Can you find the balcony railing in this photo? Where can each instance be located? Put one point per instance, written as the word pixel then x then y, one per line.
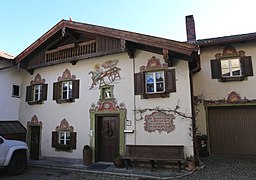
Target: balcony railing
pixel 70 51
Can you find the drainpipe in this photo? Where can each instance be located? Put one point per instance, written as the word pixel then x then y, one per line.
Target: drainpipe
pixel 134 106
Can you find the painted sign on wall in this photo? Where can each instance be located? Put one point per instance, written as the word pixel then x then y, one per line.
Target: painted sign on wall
pixel 159 121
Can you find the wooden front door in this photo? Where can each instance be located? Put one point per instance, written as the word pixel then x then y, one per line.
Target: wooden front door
pixel 107 139
pixel 34 143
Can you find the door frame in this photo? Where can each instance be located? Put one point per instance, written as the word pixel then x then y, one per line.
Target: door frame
pixel 93 118
pixel 30 124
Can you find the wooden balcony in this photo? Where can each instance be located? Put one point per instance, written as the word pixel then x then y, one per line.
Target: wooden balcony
pixel 71 51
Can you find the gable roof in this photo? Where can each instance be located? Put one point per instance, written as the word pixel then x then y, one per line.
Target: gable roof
pixel 174 46
pixel 227 39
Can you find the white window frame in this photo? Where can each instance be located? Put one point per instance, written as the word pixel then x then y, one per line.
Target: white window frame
pixel 68 91
pixel 65 139
pixel 230 67
pixel 155 83
pixel 38 87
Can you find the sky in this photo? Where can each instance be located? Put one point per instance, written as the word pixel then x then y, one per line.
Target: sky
pixel 24 21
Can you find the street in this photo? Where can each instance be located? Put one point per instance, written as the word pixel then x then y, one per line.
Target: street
pixel 33 173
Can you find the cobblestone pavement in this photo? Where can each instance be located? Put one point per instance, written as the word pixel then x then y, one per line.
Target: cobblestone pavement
pixel 216 168
pixel 226 167
pixel 35 173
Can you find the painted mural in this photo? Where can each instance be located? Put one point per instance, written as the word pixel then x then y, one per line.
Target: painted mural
pixel 105 73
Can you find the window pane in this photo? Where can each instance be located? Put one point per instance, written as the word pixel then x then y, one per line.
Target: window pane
pixel 160 87
pixel 159 76
pixel 149 78
pixel 150 87
pixel 224 64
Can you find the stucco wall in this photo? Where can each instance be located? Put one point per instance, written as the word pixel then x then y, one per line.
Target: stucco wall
pixel 9 106
pixel 77 114
pixel 212 89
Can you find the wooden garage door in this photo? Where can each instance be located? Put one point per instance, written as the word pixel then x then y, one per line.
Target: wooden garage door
pixel 232 130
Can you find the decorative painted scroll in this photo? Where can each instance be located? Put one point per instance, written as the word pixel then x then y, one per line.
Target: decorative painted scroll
pixel 159 121
pixel 229 51
pixel 66 76
pixel 64 126
pixel 37 80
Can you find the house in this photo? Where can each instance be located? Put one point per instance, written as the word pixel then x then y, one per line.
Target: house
pixel 10 79
pixel 90 85
pixel 224 92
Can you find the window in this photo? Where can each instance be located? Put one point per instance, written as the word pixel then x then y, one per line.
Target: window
pixel 154 84
pixel 15 91
pixel 36 93
pixel 66 91
pixel 231 69
pixel 64 137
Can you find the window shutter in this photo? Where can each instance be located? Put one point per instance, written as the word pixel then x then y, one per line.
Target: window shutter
pixel 216 69
pixel 54 138
pixel 246 63
pixel 139 83
pixel 170 81
pixel 72 143
pixel 29 93
pixel 56 90
pixel 44 92
pixel 75 89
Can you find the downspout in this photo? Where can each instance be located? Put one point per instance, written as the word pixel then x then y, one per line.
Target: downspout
pixel 134 105
pixel 194 129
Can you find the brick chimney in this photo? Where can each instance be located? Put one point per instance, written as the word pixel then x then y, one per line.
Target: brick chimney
pixel 190 27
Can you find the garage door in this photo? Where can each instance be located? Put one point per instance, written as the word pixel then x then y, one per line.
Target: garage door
pixel 232 130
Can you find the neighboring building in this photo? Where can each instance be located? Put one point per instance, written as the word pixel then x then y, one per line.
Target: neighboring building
pixel 10 82
pixel 225 91
pixel 86 84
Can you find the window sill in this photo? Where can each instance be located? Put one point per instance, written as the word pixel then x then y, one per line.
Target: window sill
pixel 156 95
pixel 228 79
pixel 60 101
pixel 35 102
pixel 61 147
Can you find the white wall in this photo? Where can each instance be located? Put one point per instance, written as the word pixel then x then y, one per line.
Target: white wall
pixel 9 106
pixel 77 114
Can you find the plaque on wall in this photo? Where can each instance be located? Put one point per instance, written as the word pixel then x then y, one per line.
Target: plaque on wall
pixel 159 121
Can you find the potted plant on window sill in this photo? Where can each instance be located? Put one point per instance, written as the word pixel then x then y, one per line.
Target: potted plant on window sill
pixel 118 161
pixel 190 163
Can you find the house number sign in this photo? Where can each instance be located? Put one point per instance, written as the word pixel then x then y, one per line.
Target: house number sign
pixel 159 121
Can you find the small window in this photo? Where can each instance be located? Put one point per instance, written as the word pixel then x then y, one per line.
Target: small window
pixel 37 92
pixel 66 91
pixel 231 67
pixel 15 91
pixel 155 84
pixel 64 138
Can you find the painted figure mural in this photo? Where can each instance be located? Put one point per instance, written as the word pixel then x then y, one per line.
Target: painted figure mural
pixel 105 73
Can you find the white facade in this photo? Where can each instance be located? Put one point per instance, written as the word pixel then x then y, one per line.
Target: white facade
pixel 9 105
pixel 77 113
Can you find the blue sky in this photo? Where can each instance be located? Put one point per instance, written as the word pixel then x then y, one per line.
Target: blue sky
pixel 24 21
